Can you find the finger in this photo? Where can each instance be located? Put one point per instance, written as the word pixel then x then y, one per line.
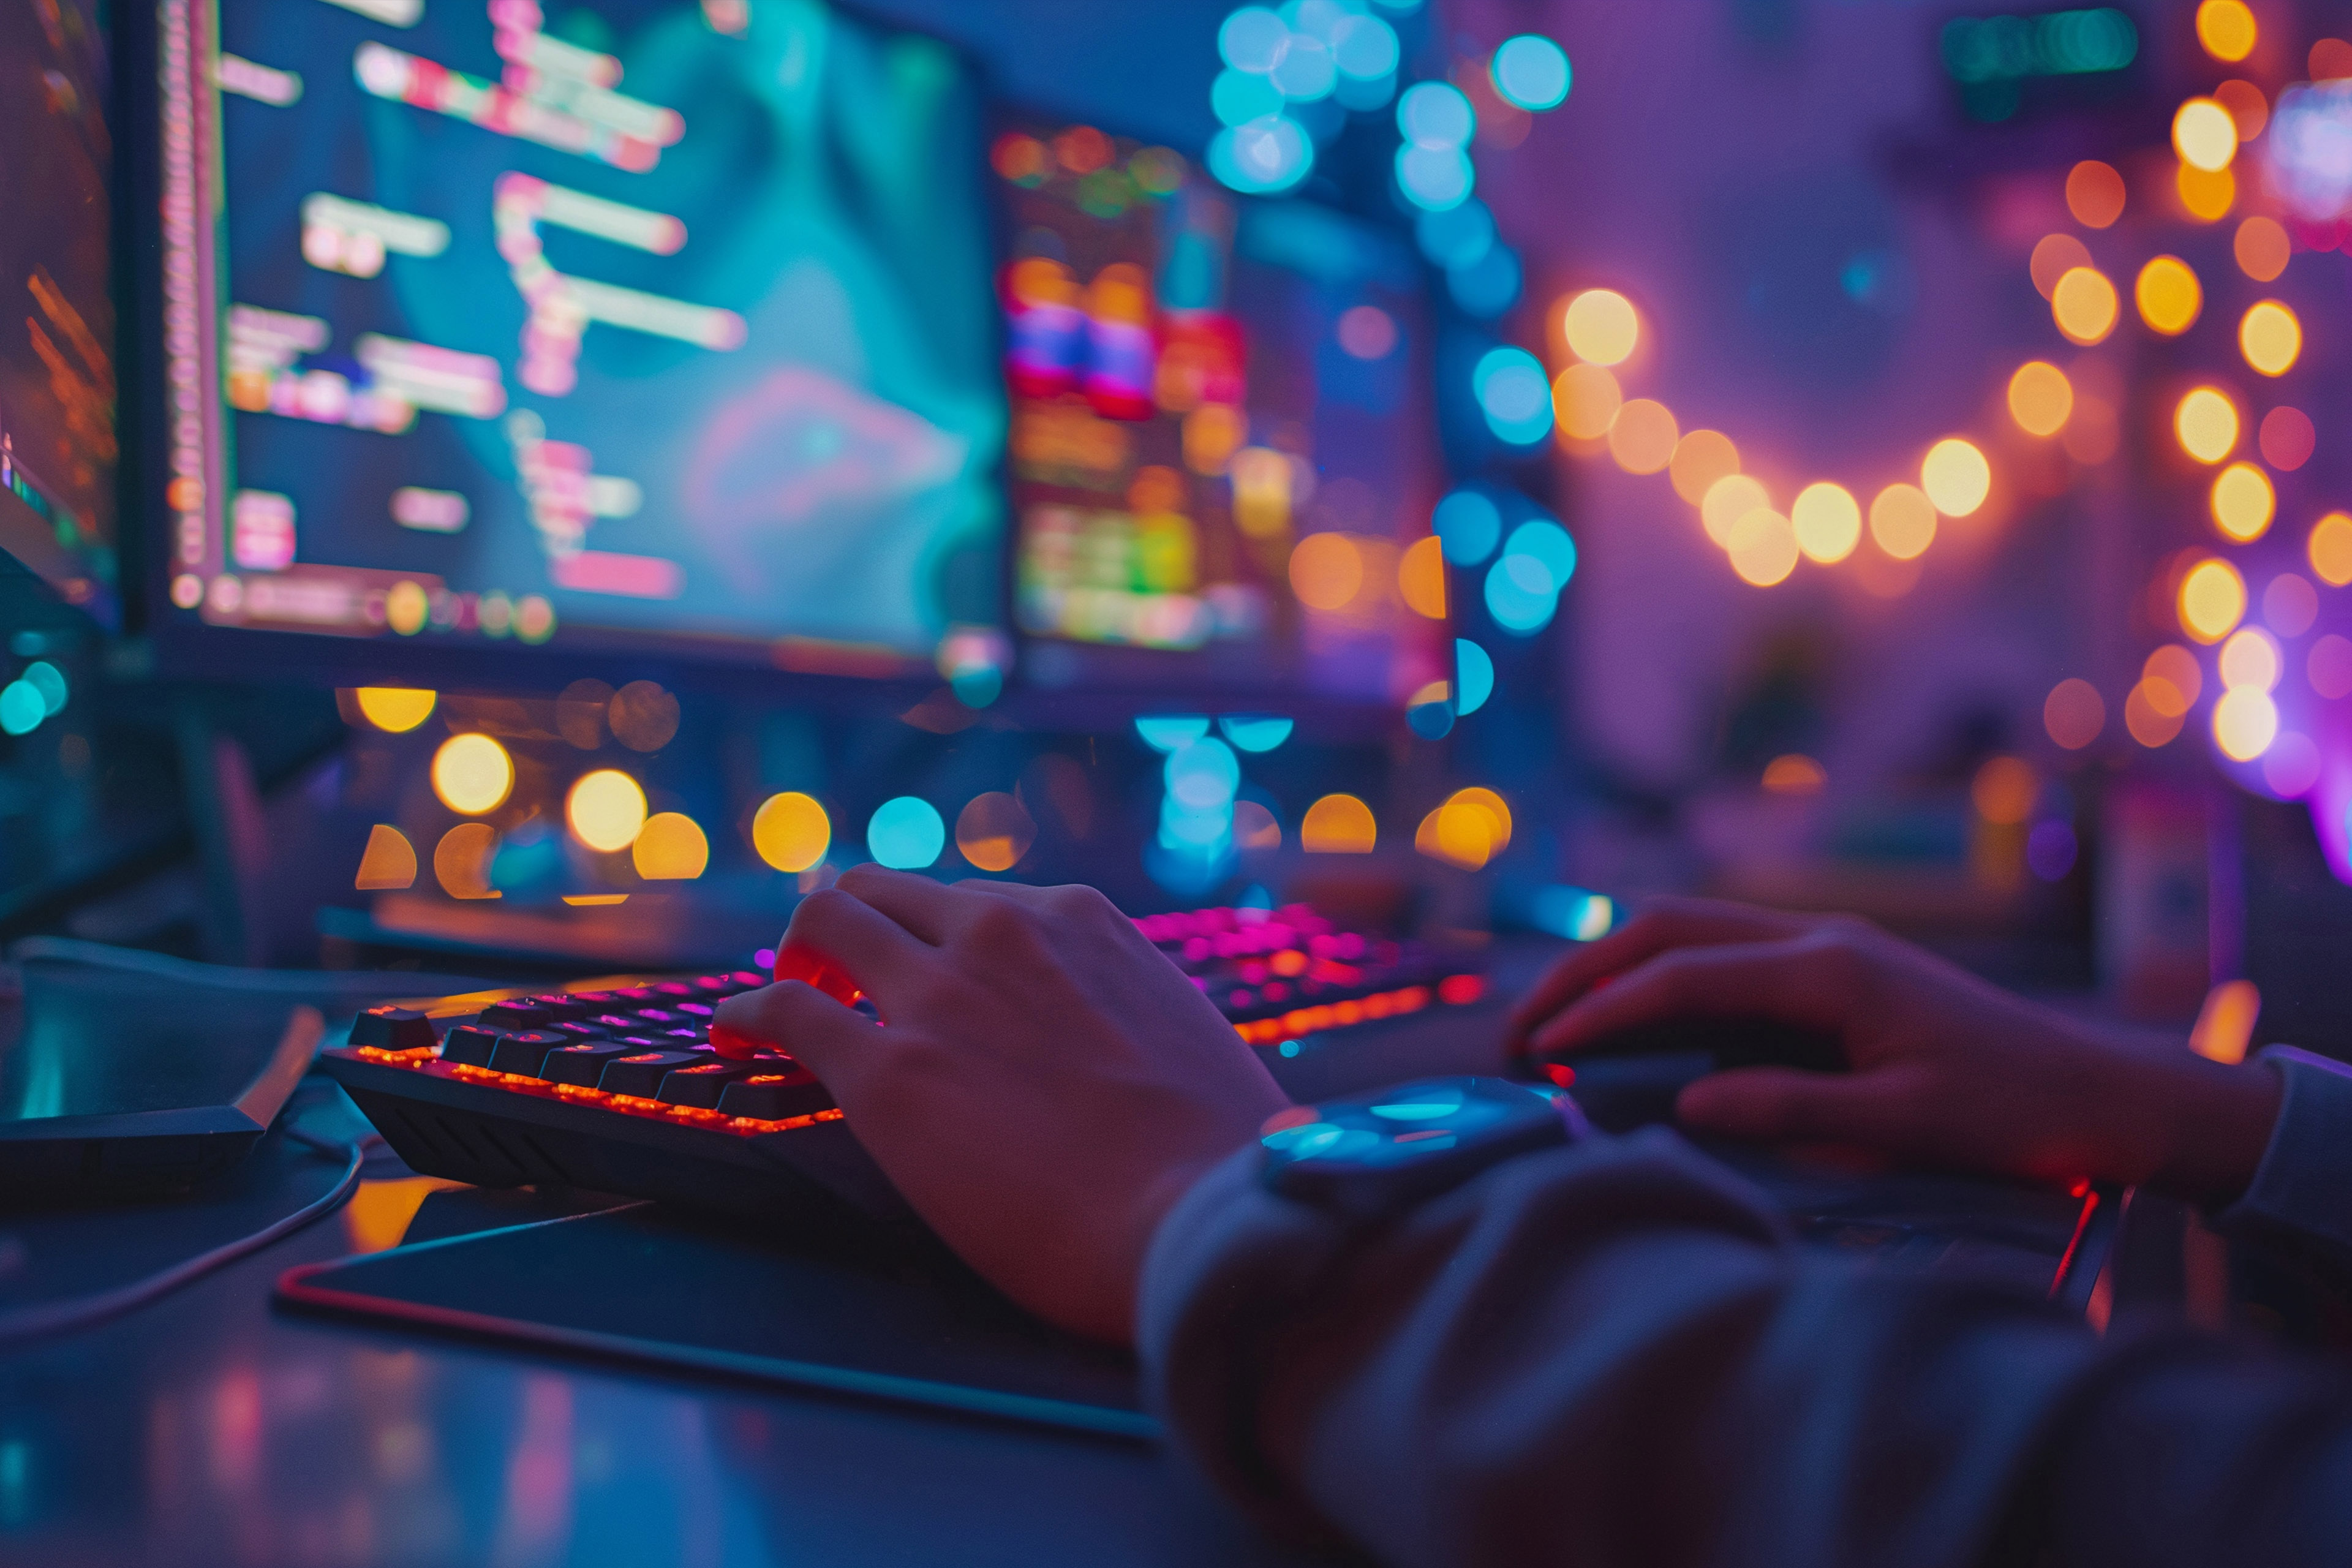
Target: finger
pixel 1784 1104
pixel 923 907
pixel 1659 928
pixel 835 930
pixel 1794 981
pixel 791 1018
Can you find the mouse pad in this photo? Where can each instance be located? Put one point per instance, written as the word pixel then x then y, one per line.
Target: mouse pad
pixel 653 1284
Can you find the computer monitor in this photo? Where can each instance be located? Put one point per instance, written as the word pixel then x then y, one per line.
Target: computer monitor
pixel 1223 452
pixel 57 437
pixel 637 327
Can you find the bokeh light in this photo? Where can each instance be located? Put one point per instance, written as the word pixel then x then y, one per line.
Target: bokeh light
pixel 461 861
pixel 1170 731
pixel 1435 178
pixel 1457 237
pixel 1520 594
pixel 2250 657
pixel 395 709
pixel 1256 732
pixel 2330 60
pixel 1253 39
pixel 1339 824
pixel 1643 437
pixel 1701 458
pixel 1327 571
pixel 1585 400
pixel 2287 438
pixel 2243 501
pixel 1727 500
pixel 606 810
pixel 389 860
pixel 791 831
pixel 1435 114
pixel 1956 477
pixel 2145 724
pixel 2054 256
pixel 1827 521
pixel 2095 194
pixel 2204 135
pixel 1515 394
pixel 1793 773
pixel 2328 667
pixel 2173 679
pixel 2270 337
pixel 670 847
pixel 2249 110
pixel 472 774
pixel 1479 798
pixel 1468 527
pixel 643 716
pixel 1601 327
pixel 2292 765
pixel 1903 521
pixel 1367 332
pixel 2083 305
pixel 2041 398
pixel 1762 547
pixel 2330 549
pixel 993 831
pixel 2290 604
pixel 1531 72
pixel 2169 295
pixel 1262 156
pixel 2245 721
pixel 2004 789
pixel 1421 577
pixel 2213 600
pixel 2206 195
pixel 1460 835
pixel 2206 422
pixel 1547 542
pixel 1474 676
pixel 2073 713
pixel 2226 28
pixel 905 833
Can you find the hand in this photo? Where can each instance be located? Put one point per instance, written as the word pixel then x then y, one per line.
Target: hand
pixel 1948 1069
pixel 1044 1084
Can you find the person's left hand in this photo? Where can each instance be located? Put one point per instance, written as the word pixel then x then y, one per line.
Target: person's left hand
pixel 1044 1084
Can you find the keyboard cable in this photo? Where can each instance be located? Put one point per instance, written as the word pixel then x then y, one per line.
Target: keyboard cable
pixel 39 1321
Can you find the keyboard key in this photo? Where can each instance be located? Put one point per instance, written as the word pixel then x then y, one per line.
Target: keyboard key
pixel 562 1006
pixel 392 1028
pixel 616 1024
pixel 702 1083
pixel 749 979
pixel 518 1014
pixel 660 1017
pixel 524 1051
pixel 773 1096
pixel 642 1074
pixel 685 1039
pixel 701 1010
pixel 676 990
pixel 590 1002
pixel 638 996
pixel 580 1031
pixel 470 1045
pixel 584 1064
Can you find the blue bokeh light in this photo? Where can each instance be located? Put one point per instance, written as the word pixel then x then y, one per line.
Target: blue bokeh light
pixel 1474 676
pixel 1488 286
pixel 1531 71
pixel 1514 394
pixel 1255 733
pixel 1467 527
pixel 21 708
pixel 1171 733
pixel 1435 178
pixel 1253 39
pixel 1456 237
pixel 1364 48
pixel 905 833
pixel 1520 594
pixel 1264 155
pixel 49 680
pixel 1203 776
pixel 1549 543
pixel 1239 96
pixel 1436 114
pixel 1306 73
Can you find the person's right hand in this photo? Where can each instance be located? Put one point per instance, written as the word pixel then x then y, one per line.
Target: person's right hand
pixel 1948 1069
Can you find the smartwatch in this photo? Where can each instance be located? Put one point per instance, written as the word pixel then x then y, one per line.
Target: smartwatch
pixel 1366 1156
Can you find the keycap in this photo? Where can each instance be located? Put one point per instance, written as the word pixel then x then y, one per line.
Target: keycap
pixel 516 1013
pixel 749 979
pixel 638 996
pixel 616 1024
pixel 773 1096
pixel 662 1016
pixel 524 1051
pixel 580 1031
pixel 562 1006
pixel 642 1074
pixel 470 1044
pixel 702 1010
pixel 595 1001
pixel 392 1028
pixel 685 1039
pixel 701 1083
pixel 584 1064
pixel 676 990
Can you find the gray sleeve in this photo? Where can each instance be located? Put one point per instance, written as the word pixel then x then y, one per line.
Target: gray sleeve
pixel 1613 1354
pixel 2302 1192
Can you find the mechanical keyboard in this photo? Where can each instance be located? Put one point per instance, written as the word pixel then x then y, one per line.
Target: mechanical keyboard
pixel 613 1085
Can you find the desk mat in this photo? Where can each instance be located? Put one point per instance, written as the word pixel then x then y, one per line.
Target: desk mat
pixel 655 1286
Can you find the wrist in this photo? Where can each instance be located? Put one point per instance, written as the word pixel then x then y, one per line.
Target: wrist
pixel 2213 1121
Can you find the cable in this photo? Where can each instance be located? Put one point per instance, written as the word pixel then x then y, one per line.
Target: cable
pixel 81 1312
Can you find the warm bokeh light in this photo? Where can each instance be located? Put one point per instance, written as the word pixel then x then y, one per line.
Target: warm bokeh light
pixel 2041 398
pixel 643 716
pixel 1421 577
pixel 1701 458
pixel 2328 667
pixel 1903 521
pixel 1327 571
pixel 461 861
pixel 1793 773
pixel 606 810
pixel 2330 60
pixel 791 831
pixel 2169 295
pixel 2207 424
pixel 2083 305
pixel 2204 135
pixel 2290 604
pixel 2147 724
pixel 1460 835
pixel 2093 432
pixel 2073 713
pixel 1762 547
pixel 1727 500
pixel 1255 831
pixel 2287 438
pixel 2250 659
pixel 2206 195
pixel 395 709
pixel 2173 679
pixel 2245 721
pixel 2213 600
pixel 1499 814
pixel 2243 501
pixel 1601 327
pixel 994 830
pixel 1828 522
pixel 1643 439
pixel 1338 825
pixel 1956 477
pixel 388 861
pixel 2054 256
pixel 2249 110
pixel 2291 767
pixel 2270 337
pixel 2095 194
pixel 1584 401
pixel 2004 789
pixel 671 847
pixel 2330 549
pixel 2226 28
pixel 472 774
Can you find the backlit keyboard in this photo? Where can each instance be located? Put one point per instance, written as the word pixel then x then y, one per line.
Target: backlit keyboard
pixel 614 1086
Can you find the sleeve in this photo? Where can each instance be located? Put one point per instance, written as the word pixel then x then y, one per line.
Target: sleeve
pixel 1614 1354
pixel 2302 1192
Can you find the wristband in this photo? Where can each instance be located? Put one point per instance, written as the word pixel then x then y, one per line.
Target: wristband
pixel 1367 1156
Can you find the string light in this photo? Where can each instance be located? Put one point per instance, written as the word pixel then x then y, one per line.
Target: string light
pixel 1956 477
pixel 2243 502
pixel 2270 337
pixel 2206 422
pixel 2213 600
pixel 2204 135
pixel 2169 295
pixel 2041 398
pixel 1827 522
pixel 2083 305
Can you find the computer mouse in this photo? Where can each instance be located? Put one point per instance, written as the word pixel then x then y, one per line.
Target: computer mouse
pixel 1631 1076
